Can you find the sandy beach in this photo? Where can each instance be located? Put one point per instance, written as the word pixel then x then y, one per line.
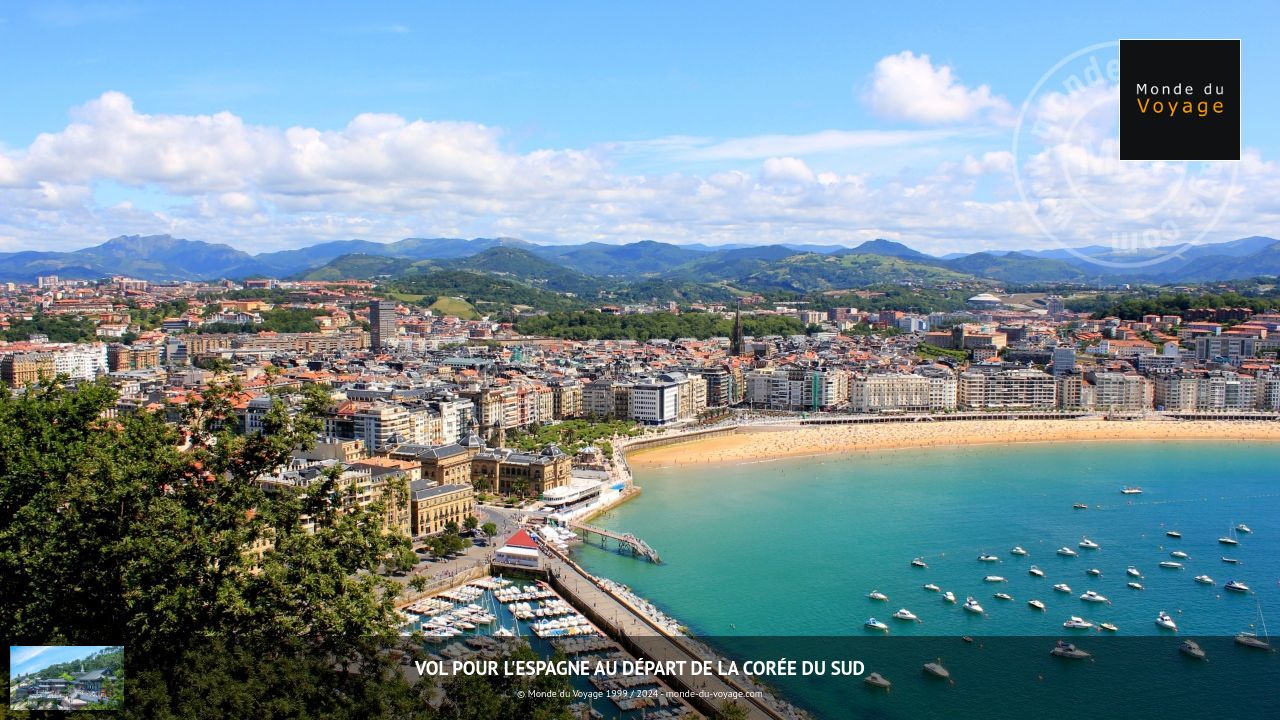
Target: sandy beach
pixel 754 444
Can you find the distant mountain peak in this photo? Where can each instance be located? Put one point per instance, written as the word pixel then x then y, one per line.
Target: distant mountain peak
pixel 880 246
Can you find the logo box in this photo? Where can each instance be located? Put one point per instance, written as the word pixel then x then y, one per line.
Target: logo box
pixel 1180 99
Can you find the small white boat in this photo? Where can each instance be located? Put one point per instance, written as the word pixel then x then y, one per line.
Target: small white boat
pixel 1228 541
pixel 877 595
pixel 994 579
pixel 1243 528
pixel 1036 604
pixel 1179 554
pixel 1135 586
pixel 877 680
pixel 988 558
pixel 1133 572
pixel 1067 552
pixel 1003 596
pixel 1173 533
pixel 1192 649
pixel 1062 588
pixel 875 624
pixel 1077 623
pixel 1091 596
pixel 1171 565
pixel 919 562
pixel 1230 561
pixel 972 606
pixel 937 670
pixel 905 614
pixel 1018 550
pixel 931 587
pixel 1127 490
pixel 1088 544
pixel 1236 586
pixel 1166 622
pixel 1094 572
pixel 1065 649
pixel 1204 580
pixel 1036 571
pixel 1080 506
pixel 1109 627
pixel 949 596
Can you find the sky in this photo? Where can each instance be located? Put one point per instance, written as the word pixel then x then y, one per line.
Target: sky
pixel 30 658
pixel 274 125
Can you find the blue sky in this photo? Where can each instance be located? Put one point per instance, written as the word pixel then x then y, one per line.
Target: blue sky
pixel 622 110
pixel 30 658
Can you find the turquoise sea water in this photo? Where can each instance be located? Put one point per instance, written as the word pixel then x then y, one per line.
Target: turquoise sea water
pixel 792 547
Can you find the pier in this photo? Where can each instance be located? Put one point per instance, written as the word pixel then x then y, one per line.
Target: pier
pixel 638 547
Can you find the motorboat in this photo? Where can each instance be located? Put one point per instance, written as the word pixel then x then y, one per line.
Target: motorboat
pixel 1133 572
pixel 1066 650
pixel 1036 571
pixel 994 579
pixel 1088 544
pixel 1173 534
pixel 1036 604
pixel 1236 586
pixel 949 596
pixel 1230 561
pixel 1135 586
pixel 875 624
pixel 1109 627
pixel 1091 596
pixel 919 562
pixel 1171 565
pixel 931 587
pixel 1130 490
pixel 988 558
pixel 1067 552
pixel 1251 640
pixel 877 680
pixel 1077 623
pixel 1243 528
pixel 1095 572
pixel 1003 596
pixel 877 595
pixel 1080 506
pixel 1191 649
pixel 1018 550
pixel 1062 588
pixel 1179 554
pixel 1228 540
pixel 1166 622
pixel 937 670
pixel 1204 580
pixel 905 614
pixel 971 605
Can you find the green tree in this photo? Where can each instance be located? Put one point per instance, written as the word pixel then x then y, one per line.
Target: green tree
pixel 489 529
pixel 470 523
pixel 732 710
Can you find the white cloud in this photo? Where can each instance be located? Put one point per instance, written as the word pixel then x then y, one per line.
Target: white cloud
pixel 907 86
pixel 383 177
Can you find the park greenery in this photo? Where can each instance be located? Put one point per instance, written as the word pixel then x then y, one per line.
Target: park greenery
pixel 1134 307
pixel 925 350
pixel 591 325
pixel 134 527
pixel 281 319
pixel 59 328
pixel 573 435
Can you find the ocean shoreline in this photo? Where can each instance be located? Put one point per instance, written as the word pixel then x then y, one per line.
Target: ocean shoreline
pixel 766 443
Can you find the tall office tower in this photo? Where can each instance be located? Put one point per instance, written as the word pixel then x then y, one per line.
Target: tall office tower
pixel 382 323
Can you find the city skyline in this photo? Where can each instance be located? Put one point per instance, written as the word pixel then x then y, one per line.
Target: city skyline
pixel 422 124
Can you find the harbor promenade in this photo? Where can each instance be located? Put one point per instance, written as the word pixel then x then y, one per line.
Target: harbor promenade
pixel 642 637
